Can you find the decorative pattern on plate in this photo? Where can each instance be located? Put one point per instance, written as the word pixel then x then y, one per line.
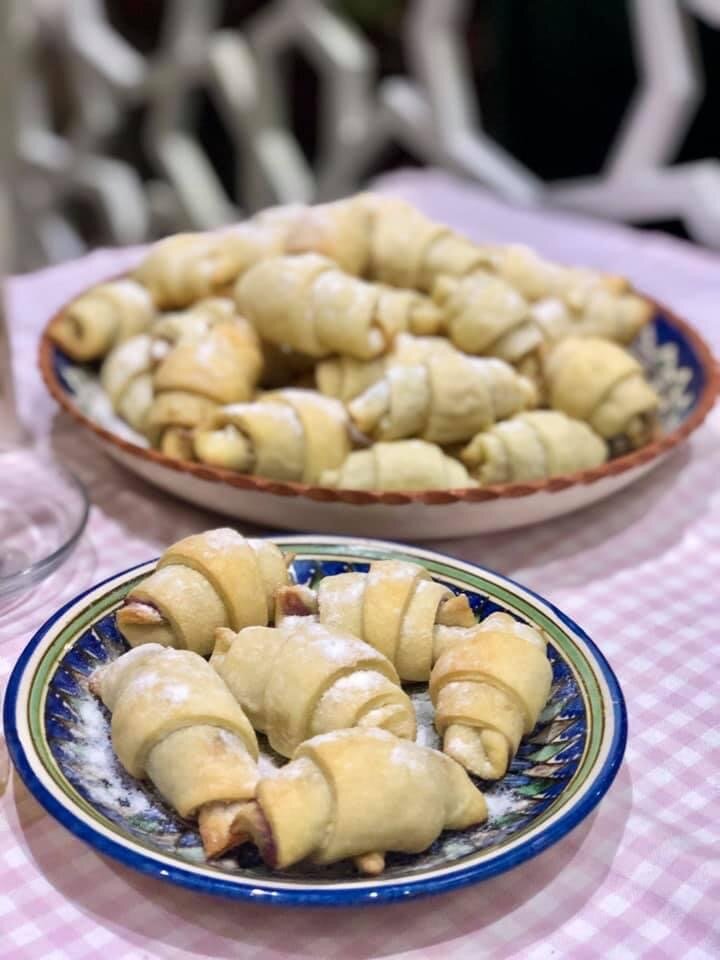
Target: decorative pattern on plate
pixel 560 772
pixel 670 369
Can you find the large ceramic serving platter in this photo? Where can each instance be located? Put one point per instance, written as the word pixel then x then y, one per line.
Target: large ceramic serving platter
pixel 59 740
pixel 677 361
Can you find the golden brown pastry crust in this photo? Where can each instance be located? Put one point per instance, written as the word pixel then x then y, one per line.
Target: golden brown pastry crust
pixel 203 370
pixel 323 806
pixel 289 434
pixel 531 446
pixel 209 580
pixel 396 608
pixel 488 688
pixel 445 400
pixel 306 303
pixel 599 382
pixel 175 723
pixel 188 267
pixel 102 317
pixel 400 465
pixel 305 679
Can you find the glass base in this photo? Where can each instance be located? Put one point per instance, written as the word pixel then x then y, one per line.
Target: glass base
pixel 43 512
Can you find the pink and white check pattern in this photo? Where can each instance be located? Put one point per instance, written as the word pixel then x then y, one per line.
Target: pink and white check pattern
pixel 639 878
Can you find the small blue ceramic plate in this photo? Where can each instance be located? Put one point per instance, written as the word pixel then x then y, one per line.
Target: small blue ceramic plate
pixel 59 740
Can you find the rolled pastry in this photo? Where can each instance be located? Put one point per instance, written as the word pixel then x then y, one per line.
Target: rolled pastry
pixel 488 689
pixel 597 381
pixel 486 315
pixel 346 378
pixel 447 399
pixel 305 679
pixel 532 446
pixel 175 723
pixel 101 318
pixel 199 374
pixel 195 322
pixel 514 300
pixel 290 434
pixel 396 607
pixel 187 267
pixel 126 376
pixel 307 304
pixel 536 278
pixel 357 793
pixel 602 314
pixel 401 465
pixel 208 580
pixel 385 239
pixel 127 371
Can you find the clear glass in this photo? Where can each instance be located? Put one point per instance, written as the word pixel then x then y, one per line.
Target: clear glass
pixel 43 512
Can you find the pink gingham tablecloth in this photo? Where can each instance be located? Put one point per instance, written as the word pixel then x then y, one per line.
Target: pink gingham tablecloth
pixel 641 572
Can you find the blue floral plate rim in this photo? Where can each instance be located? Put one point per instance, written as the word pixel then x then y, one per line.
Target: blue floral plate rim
pixel 606 720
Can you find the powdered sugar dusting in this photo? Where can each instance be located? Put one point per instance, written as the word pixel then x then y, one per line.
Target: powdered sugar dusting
pixel 267 766
pixel 294 621
pixel 468 750
pixel 427 735
pixel 335 646
pixel 500 803
pixel 222 538
pixel 94 756
pixel 350 593
pixel 504 623
pixel 395 570
pixel 410 756
pixel 174 692
pixel 362 682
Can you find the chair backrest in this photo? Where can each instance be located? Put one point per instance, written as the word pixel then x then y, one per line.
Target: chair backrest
pixel 80 86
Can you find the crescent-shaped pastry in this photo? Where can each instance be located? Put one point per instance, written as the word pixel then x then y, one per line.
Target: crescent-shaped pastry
pixel 602 314
pixel 597 381
pixel 290 434
pixel 197 375
pixel 126 376
pixel 401 465
pixel 356 794
pixel 101 318
pixel 127 371
pixel 396 608
pixel 208 580
pixel 305 679
pixel 486 315
pixel 488 689
pixel 195 322
pixel 187 267
pixel 384 239
pixel 445 400
pixel 346 378
pixel 175 723
pixel 387 240
pixel 306 303
pixel 532 446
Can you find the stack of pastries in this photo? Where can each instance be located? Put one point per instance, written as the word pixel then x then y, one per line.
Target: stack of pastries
pixel 359 344
pixel 223 646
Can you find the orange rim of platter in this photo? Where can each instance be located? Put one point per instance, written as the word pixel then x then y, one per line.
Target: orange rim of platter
pixel 244 481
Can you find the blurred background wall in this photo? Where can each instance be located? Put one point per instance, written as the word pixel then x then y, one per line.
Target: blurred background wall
pixel 134 118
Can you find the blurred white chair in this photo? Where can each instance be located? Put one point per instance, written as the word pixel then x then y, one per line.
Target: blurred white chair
pixel 432 111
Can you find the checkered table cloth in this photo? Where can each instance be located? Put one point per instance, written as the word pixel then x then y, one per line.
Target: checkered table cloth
pixel 640 572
